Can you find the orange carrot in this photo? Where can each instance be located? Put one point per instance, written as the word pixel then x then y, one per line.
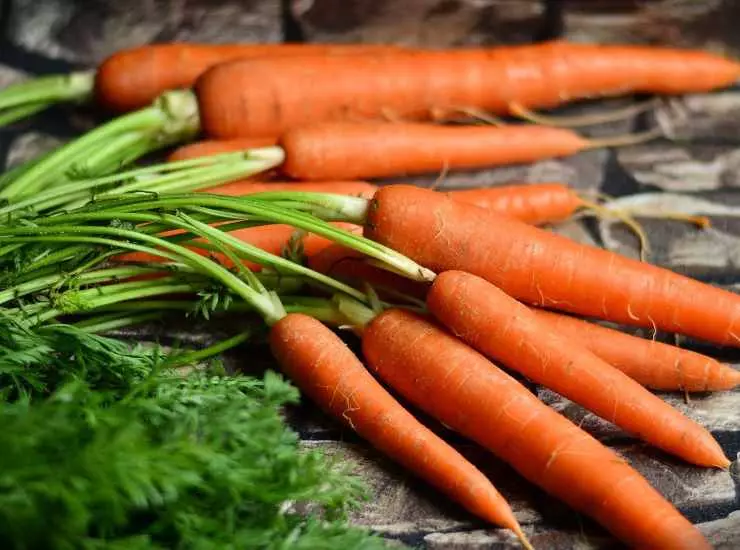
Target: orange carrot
pixel 548 270
pixel 325 369
pixel 353 150
pixel 505 330
pixel 266 97
pixel 133 78
pixel 207 148
pixel 534 203
pixel 270 238
pixel 653 364
pixel 450 381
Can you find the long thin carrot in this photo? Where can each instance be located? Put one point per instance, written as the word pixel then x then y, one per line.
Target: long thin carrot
pixel 548 270
pixel 497 325
pixel 267 97
pixel 653 364
pixel 353 150
pixel 458 386
pixel 327 371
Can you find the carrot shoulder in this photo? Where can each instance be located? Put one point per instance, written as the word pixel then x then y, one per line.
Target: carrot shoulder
pixel 327 371
pixel 347 150
pixel 548 270
pixel 452 382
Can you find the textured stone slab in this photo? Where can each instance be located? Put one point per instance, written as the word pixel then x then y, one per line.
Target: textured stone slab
pixel 419 22
pixel 28 146
pixel 87 32
pixel 685 23
pixel 10 75
pixel 724 534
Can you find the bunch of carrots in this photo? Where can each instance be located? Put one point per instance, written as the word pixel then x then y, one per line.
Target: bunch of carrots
pixel 441 287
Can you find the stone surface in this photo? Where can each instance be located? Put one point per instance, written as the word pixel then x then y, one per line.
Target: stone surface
pixel 87 31
pixel 686 23
pixel 419 22
pixel 28 146
pixel 10 75
pixel 724 534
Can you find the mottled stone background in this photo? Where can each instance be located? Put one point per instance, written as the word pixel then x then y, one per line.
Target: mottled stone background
pixel 696 171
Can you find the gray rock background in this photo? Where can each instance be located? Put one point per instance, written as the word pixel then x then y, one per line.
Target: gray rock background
pixel 695 172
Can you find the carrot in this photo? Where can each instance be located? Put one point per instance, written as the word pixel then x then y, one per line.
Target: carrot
pixel 133 78
pixel 271 238
pixel 351 150
pixel 455 384
pixel 327 371
pixel 548 270
pixel 505 330
pixel 266 97
pixel 207 148
pixel 534 203
pixel 653 364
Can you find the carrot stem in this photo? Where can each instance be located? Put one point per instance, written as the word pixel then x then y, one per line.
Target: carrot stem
pixel 191 177
pixel 173 117
pixel 263 210
pixel 14 114
pixel 30 96
pixel 115 321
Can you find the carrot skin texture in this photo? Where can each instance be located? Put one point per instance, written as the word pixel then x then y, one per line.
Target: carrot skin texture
pixel 266 97
pixel 505 330
pixel 133 78
pixel 207 148
pixel 460 387
pixel 548 270
pixel 347 150
pixel 653 364
pixel 534 203
pixel 326 370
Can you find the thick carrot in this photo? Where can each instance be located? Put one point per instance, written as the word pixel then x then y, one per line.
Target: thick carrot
pixel 207 148
pixel 357 150
pixel 450 381
pixel 133 78
pixel 265 97
pixel 653 364
pixel 548 270
pixel 327 371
